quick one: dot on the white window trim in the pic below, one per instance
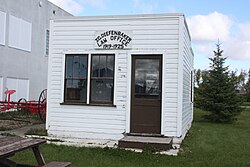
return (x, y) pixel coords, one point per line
(88, 78)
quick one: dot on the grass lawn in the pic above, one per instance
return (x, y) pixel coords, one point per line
(207, 144)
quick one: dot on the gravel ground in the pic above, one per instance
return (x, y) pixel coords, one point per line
(14, 120)
(10, 124)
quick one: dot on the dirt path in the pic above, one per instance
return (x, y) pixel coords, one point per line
(21, 131)
(14, 121)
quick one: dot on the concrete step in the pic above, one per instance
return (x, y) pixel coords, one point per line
(146, 143)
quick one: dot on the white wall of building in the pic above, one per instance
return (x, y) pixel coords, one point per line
(187, 100)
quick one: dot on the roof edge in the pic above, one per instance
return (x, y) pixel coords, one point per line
(111, 17)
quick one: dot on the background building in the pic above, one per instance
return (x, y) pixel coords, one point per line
(24, 46)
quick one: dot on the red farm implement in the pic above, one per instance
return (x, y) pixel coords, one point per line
(33, 106)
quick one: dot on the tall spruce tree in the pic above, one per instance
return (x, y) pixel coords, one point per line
(247, 87)
(217, 92)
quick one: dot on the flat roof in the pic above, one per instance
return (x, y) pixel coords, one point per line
(110, 17)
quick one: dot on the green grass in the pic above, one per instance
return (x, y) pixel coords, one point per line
(207, 144)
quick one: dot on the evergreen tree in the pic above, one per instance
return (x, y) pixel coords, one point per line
(198, 77)
(217, 93)
(247, 87)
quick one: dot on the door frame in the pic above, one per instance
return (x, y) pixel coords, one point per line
(129, 72)
(133, 99)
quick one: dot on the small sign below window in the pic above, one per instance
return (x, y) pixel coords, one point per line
(113, 39)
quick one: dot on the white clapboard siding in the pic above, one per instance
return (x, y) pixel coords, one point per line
(187, 106)
(150, 34)
(170, 83)
(80, 133)
(84, 22)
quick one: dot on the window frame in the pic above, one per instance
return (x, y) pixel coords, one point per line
(88, 81)
(65, 81)
(191, 86)
(101, 78)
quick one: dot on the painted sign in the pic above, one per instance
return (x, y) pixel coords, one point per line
(113, 39)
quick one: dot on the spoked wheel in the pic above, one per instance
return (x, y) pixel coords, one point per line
(42, 101)
(22, 104)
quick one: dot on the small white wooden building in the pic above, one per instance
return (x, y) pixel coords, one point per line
(116, 75)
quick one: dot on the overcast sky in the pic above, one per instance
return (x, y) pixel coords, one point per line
(208, 21)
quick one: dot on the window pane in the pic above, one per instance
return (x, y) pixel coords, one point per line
(110, 66)
(102, 90)
(83, 66)
(76, 65)
(103, 66)
(95, 66)
(76, 90)
(69, 62)
(76, 78)
(147, 77)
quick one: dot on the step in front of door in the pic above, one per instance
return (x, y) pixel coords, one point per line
(146, 143)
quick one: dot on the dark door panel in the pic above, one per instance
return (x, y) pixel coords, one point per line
(146, 94)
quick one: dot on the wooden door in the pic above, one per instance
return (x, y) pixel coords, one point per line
(146, 94)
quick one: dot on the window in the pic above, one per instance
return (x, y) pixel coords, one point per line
(76, 78)
(47, 43)
(2, 27)
(19, 33)
(20, 85)
(101, 79)
(1, 88)
(191, 87)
